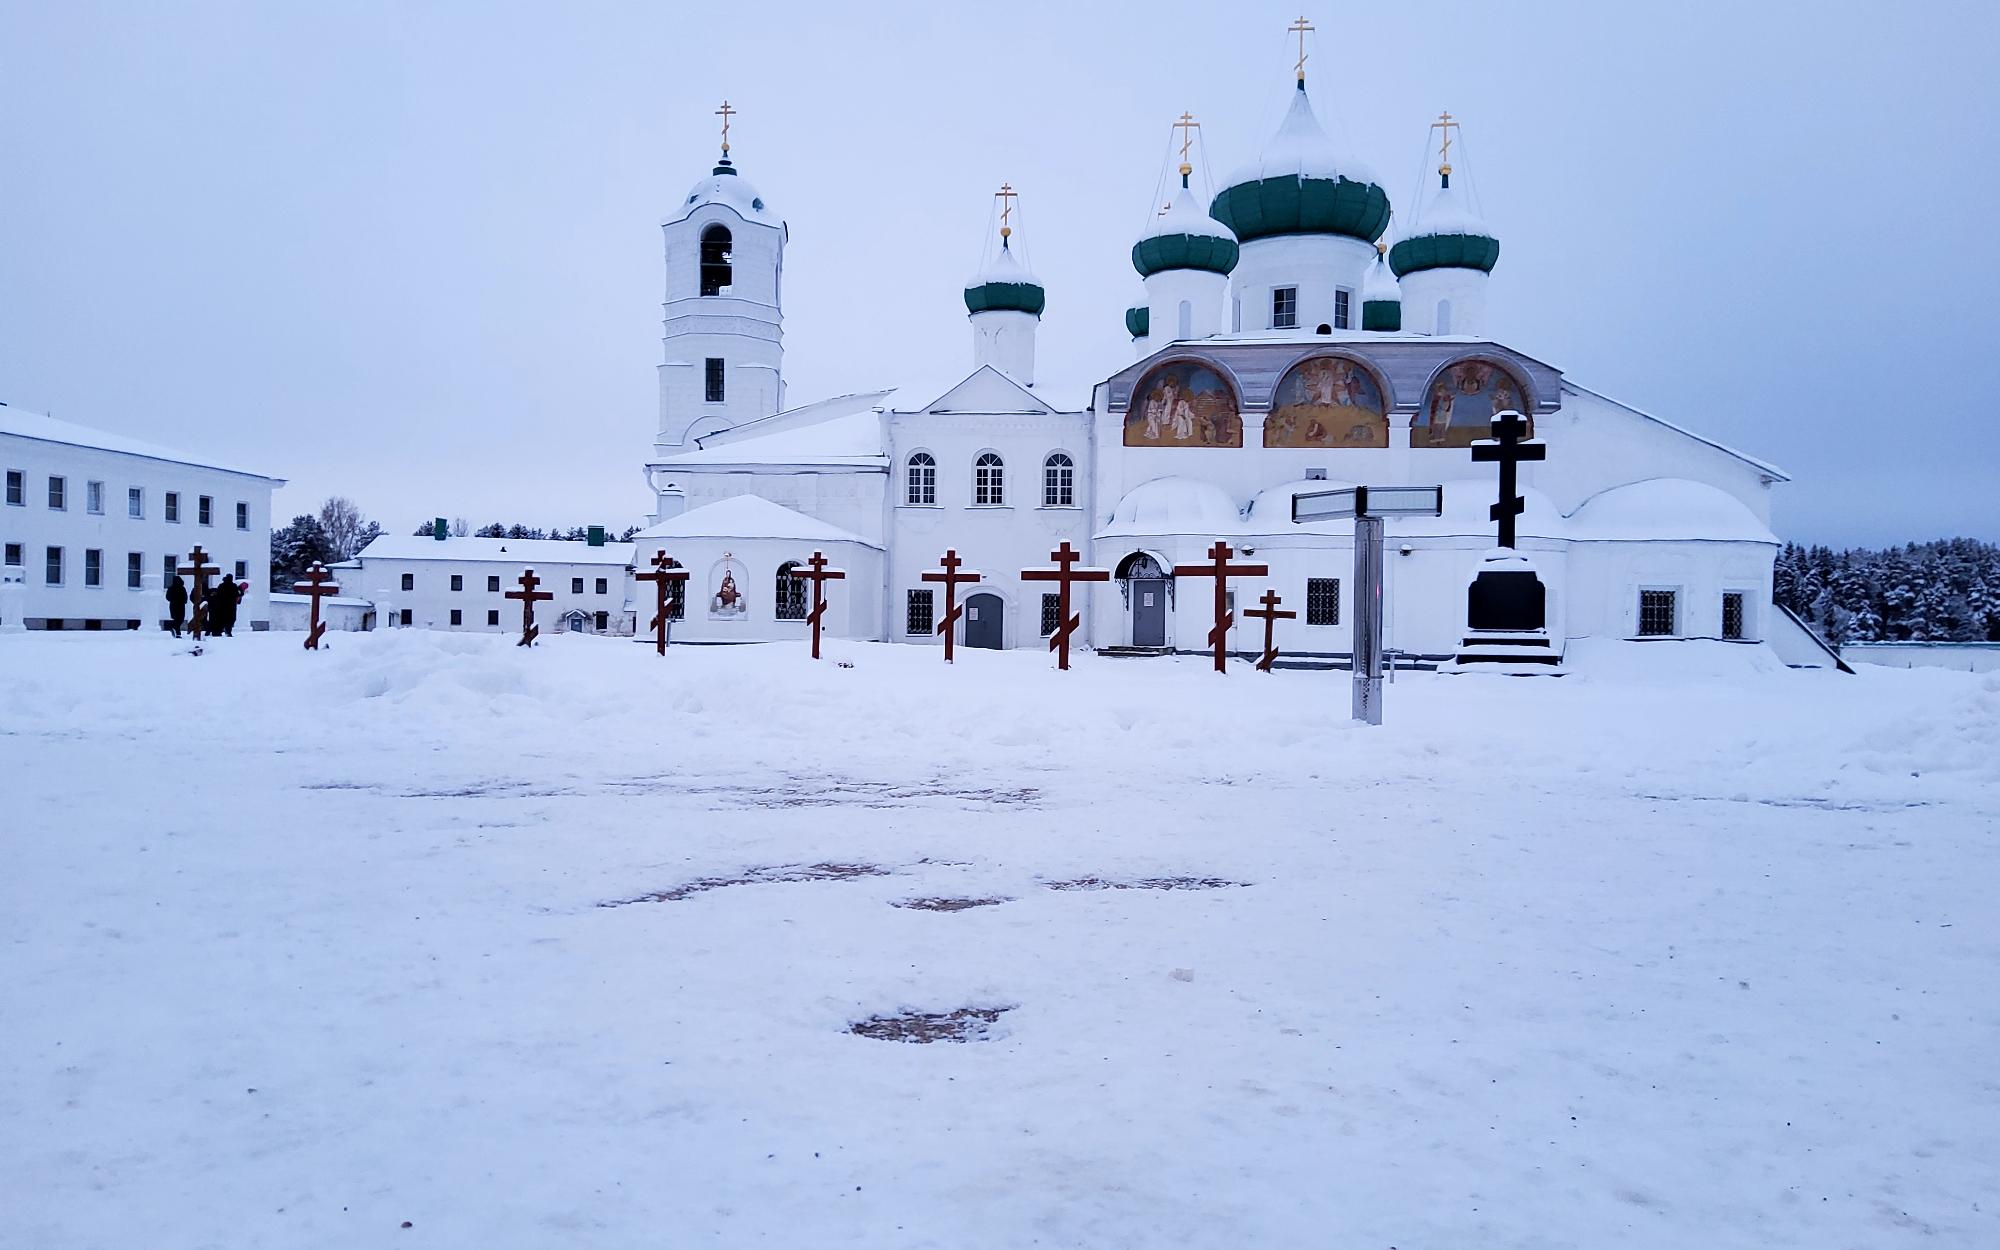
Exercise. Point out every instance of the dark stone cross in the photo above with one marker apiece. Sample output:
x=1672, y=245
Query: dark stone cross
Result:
x=1066, y=573
x=528, y=596
x=1506, y=447
x=819, y=575
x=318, y=584
x=665, y=573
x=1271, y=617
x=1221, y=570
x=948, y=573
x=198, y=568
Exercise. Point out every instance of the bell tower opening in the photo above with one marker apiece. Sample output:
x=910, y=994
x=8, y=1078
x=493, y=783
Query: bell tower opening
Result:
x=716, y=277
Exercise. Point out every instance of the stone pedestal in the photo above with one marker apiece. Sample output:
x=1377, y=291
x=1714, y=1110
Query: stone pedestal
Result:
x=1506, y=619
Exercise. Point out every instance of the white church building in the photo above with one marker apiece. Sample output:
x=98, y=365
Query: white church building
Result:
x=1295, y=337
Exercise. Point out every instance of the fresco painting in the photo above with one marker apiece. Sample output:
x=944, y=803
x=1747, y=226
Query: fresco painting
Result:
x=1183, y=404
x=1463, y=403
x=1327, y=402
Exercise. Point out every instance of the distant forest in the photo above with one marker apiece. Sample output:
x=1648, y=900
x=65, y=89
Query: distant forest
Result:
x=1944, y=591
x=575, y=533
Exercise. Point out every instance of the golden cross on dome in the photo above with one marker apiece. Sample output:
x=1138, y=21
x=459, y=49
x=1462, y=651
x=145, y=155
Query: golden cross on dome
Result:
x=1006, y=195
x=1302, y=28
x=1447, y=124
x=725, y=113
x=1187, y=125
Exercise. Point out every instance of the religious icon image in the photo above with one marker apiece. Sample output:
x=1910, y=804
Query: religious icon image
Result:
x=1183, y=404
x=727, y=602
x=1327, y=402
x=1463, y=402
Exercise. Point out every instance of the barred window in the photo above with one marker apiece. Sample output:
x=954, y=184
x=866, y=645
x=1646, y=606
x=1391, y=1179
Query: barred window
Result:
x=917, y=613
x=791, y=593
x=1732, y=615
x=921, y=481
x=1656, y=613
x=1059, y=481
x=1051, y=614
x=676, y=594
x=1323, y=601
x=989, y=480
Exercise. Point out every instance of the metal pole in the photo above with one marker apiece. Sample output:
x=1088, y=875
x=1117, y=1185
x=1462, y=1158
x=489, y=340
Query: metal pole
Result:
x=1368, y=619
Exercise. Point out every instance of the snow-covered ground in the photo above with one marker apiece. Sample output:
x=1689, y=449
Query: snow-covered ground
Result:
x=1682, y=949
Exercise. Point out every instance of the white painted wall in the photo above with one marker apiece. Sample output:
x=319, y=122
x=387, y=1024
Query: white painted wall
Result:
x=853, y=604
x=1428, y=292
x=1169, y=293
x=1317, y=264
x=1005, y=339
x=431, y=600
x=340, y=614
x=744, y=328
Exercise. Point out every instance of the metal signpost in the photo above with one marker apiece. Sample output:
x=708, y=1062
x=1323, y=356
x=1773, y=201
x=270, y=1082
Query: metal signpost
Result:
x=1366, y=506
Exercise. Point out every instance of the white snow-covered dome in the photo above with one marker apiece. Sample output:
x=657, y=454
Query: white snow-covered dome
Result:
x=1004, y=285
x=1173, y=505
x=1302, y=149
x=732, y=190
x=1667, y=508
x=1380, y=287
x=1271, y=511
x=1302, y=183
x=1184, y=237
x=1005, y=267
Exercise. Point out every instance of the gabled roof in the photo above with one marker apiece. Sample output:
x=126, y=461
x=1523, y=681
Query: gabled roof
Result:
x=1762, y=466
x=522, y=552
x=985, y=389
x=35, y=425
x=749, y=516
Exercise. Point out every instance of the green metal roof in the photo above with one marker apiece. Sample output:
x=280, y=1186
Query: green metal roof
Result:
x=1027, y=297
x=1139, y=321
x=1444, y=251
x=1208, y=252
x=1289, y=204
x=1381, y=314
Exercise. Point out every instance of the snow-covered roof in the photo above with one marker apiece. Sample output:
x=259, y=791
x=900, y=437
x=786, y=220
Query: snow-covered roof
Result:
x=1762, y=466
x=1667, y=508
x=749, y=516
x=336, y=601
x=1185, y=215
x=1302, y=147
x=1173, y=505
x=516, y=551
x=1004, y=268
x=843, y=433
x=1445, y=211
x=1380, y=285
x=730, y=189
x=35, y=425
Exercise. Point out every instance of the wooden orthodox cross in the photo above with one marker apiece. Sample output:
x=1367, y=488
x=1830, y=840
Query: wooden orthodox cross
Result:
x=665, y=573
x=948, y=573
x=819, y=575
x=198, y=568
x=1507, y=447
x=1221, y=570
x=1065, y=573
x=528, y=596
x=1271, y=617
x=318, y=584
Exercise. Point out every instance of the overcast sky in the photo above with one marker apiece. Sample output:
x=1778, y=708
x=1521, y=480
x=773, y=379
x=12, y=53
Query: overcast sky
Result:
x=411, y=253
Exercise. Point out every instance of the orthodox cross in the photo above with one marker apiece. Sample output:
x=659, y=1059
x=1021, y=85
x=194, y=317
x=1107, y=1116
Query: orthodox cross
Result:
x=1302, y=28
x=1506, y=447
x=819, y=575
x=665, y=573
x=318, y=584
x=1271, y=617
x=948, y=573
x=1006, y=195
x=1445, y=123
x=528, y=595
x=1187, y=125
x=725, y=113
x=1221, y=570
x=198, y=568
x=1066, y=572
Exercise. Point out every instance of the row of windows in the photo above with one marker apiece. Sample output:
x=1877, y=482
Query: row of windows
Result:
x=407, y=616
x=135, y=500
x=1660, y=614
x=989, y=480
x=1285, y=309
x=1322, y=607
x=93, y=566
x=603, y=584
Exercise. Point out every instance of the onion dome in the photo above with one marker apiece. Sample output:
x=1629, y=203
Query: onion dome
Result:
x=1185, y=237
x=1139, y=321
x=1005, y=286
x=1447, y=235
x=725, y=186
x=1302, y=184
x=1381, y=298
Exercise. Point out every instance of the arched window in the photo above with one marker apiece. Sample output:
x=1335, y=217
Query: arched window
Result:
x=1186, y=321
x=715, y=255
x=790, y=593
x=989, y=485
x=1444, y=316
x=920, y=486
x=1059, y=481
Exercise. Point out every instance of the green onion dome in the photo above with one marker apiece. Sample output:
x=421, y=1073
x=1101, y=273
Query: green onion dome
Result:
x=1381, y=298
x=1302, y=185
x=1005, y=286
x=1448, y=235
x=1184, y=237
x=1138, y=321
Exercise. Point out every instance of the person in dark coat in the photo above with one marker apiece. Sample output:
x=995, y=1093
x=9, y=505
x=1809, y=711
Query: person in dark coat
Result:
x=222, y=613
x=177, y=603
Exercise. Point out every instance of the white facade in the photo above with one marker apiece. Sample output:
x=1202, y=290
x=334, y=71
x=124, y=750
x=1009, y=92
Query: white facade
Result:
x=94, y=520
x=461, y=583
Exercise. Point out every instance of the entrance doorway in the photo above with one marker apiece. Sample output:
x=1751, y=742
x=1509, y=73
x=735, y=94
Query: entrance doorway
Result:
x=1145, y=586
x=982, y=621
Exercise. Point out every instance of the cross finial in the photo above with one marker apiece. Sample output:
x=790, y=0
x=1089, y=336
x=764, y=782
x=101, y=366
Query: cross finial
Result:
x=725, y=113
x=1445, y=123
x=1006, y=195
x=1187, y=125
x=1302, y=28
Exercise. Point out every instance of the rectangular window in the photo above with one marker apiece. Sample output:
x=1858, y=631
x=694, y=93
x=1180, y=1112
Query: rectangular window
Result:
x=135, y=570
x=13, y=555
x=174, y=506
x=1340, y=306
x=576, y=585
x=242, y=571
x=93, y=567
x=714, y=379
x=492, y=585
x=135, y=503
x=1322, y=601
x=58, y=493
x=603, y=621
x=17, y=487
x=409, y=581
x=1732, y=614
x=457, y=617
x=603, y=586
x=169, y=567
x=409, y=617
x=791, y=594
x=458, y=581
x=204, y=510
x=243, y=516
x=1051, y=614
x=1284, y=308
x=93, y=498
x=492, y=616
x=52, y=570
x=917, y=613
x=1657, y=613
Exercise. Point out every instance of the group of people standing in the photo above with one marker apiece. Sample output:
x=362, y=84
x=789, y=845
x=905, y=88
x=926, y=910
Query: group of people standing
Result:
x=215, y=613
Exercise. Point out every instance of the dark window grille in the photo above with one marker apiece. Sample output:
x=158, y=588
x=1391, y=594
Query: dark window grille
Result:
x=174, y=506
x=204, y=510
x=1323, y=601
x=1051, y=614
x=714, y=390
x=716, y=268
x=1732, y=615
x=989, y=480
x=58, y=493
x=1285, y=308
x=1656, y=613
x=93, y=567
x=243, y=516
x=791, y=593
x=918, y=615
x=17, y=487
x=135, y=570
x=920, y=487
x=1340, y=310
x=1059, y=482
x=52, y=572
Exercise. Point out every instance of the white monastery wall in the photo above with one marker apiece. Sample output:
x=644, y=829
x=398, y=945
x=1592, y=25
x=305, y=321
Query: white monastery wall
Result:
x=849, y=498
x=1317, y=265
x=853, y=604
x=430, y=598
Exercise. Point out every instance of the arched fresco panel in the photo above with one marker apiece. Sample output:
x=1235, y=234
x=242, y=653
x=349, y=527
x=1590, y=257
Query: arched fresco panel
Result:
x=1463, y=402
x=1327, y=402
x=1183, y=404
